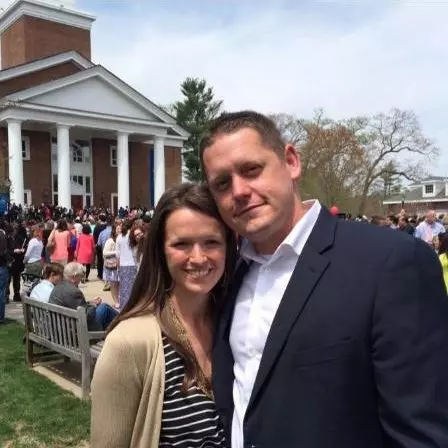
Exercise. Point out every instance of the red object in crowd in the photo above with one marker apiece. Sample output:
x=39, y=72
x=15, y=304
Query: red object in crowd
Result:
x=334, y=210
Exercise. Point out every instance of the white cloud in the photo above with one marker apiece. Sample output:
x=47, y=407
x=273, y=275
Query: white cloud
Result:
x=278, y=59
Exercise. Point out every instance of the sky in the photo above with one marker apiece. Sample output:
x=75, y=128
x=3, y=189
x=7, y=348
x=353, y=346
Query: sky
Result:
x=350, y=57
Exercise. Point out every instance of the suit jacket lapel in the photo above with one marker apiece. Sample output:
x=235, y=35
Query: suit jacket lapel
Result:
x=308, y=270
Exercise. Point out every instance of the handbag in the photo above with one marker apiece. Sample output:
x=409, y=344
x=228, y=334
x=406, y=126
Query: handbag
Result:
x=111, y=262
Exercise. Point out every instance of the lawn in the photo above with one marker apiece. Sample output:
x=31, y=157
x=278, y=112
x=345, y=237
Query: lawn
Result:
x=34, y=412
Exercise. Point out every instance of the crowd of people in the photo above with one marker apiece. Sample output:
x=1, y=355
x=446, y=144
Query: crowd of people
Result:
x=244, y=316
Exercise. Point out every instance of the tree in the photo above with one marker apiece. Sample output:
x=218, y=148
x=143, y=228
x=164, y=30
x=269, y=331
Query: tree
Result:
x=394, y=145
x=195, y=113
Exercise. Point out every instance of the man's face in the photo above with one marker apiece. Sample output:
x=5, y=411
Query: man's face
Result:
x=401, y=223
x=253, y=186
x=430, y=217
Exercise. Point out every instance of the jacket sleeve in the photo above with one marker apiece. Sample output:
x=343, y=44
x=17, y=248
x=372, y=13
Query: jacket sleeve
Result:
x=410, y=347
x=116, y=394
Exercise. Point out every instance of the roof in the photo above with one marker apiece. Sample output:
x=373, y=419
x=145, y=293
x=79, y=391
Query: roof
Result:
x=415, y=194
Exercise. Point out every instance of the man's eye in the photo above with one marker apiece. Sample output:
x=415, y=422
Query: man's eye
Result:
x=221, y=185
x=253, y=170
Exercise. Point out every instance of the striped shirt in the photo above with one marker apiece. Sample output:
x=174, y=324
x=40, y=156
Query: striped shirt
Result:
x=188, y=420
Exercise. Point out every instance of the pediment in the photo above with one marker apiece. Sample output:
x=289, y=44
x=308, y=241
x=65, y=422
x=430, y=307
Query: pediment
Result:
x=94, y=95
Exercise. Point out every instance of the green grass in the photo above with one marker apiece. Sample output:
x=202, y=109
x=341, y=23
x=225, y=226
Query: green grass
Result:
x=34, y=412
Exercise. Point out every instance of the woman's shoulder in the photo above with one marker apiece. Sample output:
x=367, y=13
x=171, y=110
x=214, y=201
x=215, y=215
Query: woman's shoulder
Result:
x=141, y=330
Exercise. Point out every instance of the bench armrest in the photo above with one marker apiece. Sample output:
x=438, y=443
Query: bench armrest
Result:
x=97, y=335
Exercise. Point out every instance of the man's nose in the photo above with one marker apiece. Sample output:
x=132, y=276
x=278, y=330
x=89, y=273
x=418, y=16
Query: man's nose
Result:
x=240, y=187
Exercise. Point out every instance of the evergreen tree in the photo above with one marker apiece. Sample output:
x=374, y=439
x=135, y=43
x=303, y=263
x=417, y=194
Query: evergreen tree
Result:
x=195, y=113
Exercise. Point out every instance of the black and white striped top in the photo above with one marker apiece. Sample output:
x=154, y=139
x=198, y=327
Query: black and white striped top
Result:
x=188, y=420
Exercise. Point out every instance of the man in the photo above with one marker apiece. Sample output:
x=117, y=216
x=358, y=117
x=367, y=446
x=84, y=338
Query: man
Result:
x=67, y=293
x=404, y=226
x=334, y=334
x=391, y=222
x=101, y=225
x=428, y=229
x=52, y=275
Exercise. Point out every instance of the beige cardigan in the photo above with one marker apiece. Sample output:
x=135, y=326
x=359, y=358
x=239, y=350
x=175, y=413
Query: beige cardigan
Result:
x=128, y=386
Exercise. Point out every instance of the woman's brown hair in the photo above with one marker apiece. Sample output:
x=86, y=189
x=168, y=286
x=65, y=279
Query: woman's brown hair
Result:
x=153, y=282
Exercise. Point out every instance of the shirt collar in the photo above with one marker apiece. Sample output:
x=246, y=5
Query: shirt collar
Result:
x=295, y=240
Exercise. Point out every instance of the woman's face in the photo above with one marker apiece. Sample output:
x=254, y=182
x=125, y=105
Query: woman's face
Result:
x=138, y=233
x=195, y=251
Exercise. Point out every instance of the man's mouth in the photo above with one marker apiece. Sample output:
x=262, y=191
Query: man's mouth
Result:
x=246, y=210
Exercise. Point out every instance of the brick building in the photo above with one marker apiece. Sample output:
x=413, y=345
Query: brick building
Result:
x=430, y=193
x=71, y=132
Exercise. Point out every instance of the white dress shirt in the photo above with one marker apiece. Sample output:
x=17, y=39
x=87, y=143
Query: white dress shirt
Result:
x=257, y=302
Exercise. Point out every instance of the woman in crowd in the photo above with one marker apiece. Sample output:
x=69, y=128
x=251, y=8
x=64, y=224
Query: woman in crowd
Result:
x=151, y=385
x=85, y=249
x=33, y=254
x=110, y=267
x=49, y=227
x=59, y=242
x=136, y=240
x=127, y=268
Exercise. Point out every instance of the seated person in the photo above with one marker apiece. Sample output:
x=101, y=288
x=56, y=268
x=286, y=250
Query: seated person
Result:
x=67, y=293
x=52, y=275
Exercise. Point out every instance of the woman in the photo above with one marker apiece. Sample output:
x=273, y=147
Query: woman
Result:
x=127, y=268
x=85, y=249
x=151, y=385
x=59, y=242
x=136, y=240
x=110, y=267
x=33, y=254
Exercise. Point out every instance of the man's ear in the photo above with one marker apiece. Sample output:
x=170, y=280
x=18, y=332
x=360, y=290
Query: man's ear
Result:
x=292, y=160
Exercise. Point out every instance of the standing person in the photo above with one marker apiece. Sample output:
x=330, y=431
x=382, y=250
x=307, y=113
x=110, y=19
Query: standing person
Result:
x=85, y=249
x=33, y=254
x=59, y=243
x=443, y=257
x=318, y=344
x=127, y=268
x=429, y=228
x=151, y=385
x=136, y=240
x=19, y=243
x=4, y=257
x=111, y=265
x=99, y=227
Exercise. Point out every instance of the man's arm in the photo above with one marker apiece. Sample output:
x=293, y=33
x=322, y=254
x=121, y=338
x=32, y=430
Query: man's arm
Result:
x=410, y=347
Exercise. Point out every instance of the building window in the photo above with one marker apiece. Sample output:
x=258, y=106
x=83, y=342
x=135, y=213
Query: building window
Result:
x=55, y=199
x=77, y=154
x=27, y=197
x=78, y=179
x=113, y=156
x=55, y=183
x=88, y=201
x=88, y=185
x=429, y=189
x=26, y=148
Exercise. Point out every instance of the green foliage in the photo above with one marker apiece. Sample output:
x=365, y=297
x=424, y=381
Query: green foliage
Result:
x=34, y=412
x=195, y=113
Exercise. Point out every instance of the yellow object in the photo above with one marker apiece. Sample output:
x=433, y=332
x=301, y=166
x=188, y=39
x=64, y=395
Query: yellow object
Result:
x=444, y=261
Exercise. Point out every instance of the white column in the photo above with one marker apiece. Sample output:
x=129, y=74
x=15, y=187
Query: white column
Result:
x=159, y=168
x=123, y=168
x=64, y=183
x=15, y=162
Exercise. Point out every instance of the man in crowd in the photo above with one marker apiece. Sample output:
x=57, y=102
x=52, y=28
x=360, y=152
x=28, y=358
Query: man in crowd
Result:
x=100, y=226
x=430, y=228
x=404, y=225
x=334, y=333
x=53, y=274
x=67, y=293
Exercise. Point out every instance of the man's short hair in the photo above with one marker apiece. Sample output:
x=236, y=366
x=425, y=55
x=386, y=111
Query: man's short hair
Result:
x=231, y=122
x=74, y=269
x=53, y=268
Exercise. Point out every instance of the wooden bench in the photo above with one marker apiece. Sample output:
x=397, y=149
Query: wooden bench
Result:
x=63, y=331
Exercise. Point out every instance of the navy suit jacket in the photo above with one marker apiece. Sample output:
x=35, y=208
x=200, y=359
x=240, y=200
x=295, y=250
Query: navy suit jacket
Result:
x=357, y=355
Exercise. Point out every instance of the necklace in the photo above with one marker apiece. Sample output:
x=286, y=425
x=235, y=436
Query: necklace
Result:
x=202, y=383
